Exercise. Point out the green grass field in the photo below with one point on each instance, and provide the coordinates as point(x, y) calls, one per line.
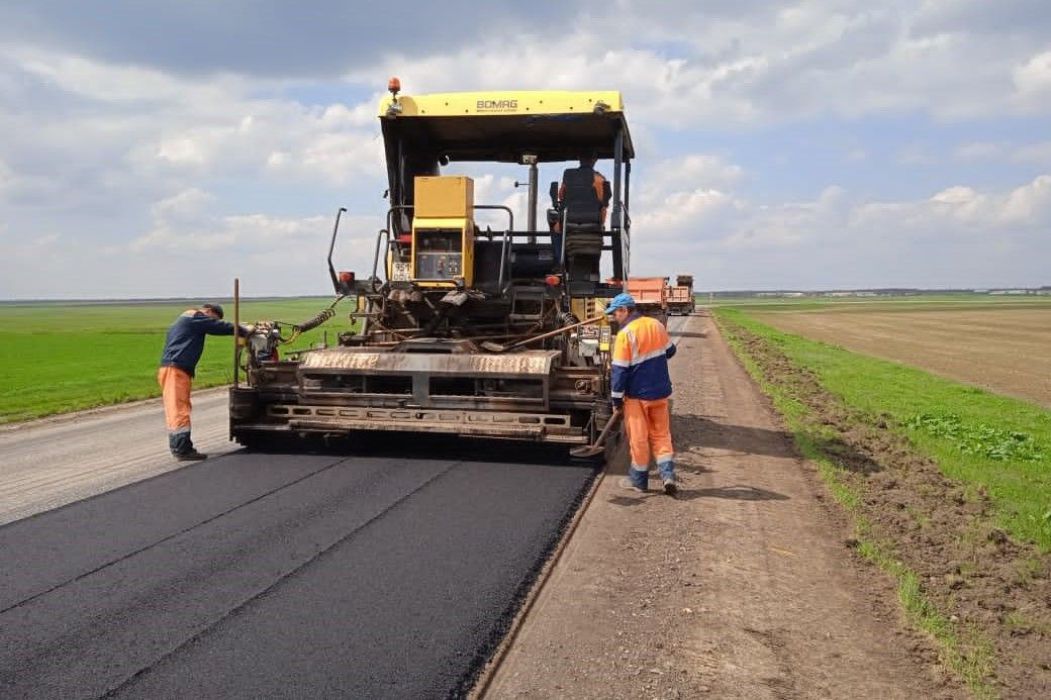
point(59, 357)
point(978, 438)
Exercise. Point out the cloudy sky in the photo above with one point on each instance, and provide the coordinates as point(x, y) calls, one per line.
point(161, 148)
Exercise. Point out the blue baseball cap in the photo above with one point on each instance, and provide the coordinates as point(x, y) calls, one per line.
point(621, 301)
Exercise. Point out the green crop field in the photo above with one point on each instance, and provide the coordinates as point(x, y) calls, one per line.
point(58, 357)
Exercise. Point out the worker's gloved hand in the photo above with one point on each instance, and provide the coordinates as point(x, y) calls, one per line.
point(248, 328)
point(617, 404)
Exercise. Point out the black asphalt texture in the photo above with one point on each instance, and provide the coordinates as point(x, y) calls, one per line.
point(279, 576)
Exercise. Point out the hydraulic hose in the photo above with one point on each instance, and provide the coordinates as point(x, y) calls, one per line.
point(319, 318)
point(314, 321)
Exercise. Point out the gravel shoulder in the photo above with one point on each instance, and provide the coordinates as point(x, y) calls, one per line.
point(48, 463)
point(743, 587)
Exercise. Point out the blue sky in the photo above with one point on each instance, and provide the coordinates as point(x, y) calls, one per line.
point(159, 149)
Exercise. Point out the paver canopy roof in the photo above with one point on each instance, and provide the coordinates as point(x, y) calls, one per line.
point(555, 126)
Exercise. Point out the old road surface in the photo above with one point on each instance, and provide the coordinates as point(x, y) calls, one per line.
point(48, 463)
point(316, 575)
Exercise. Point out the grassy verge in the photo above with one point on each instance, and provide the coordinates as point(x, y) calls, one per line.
point(989, 442)
point(65, 357)
point(966, 650)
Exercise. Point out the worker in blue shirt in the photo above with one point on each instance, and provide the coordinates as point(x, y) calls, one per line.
point(182, 350)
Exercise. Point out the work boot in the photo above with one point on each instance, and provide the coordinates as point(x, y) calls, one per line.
point(626, 483)
point(179, 441)
point(667, 472)
point(638, 478)
point(189, 456)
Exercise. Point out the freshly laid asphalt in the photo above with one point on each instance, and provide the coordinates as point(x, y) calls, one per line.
point(280, 576)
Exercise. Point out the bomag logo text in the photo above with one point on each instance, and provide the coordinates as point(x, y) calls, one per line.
point(496, 105)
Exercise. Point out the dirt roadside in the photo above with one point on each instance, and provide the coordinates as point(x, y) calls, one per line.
point(743, 587)
point(987, 596)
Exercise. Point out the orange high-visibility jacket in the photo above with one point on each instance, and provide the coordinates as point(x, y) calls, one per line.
point(640, 360)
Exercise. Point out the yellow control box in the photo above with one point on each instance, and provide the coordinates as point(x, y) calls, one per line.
point(444, 197)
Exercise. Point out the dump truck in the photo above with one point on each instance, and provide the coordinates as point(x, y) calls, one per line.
point(650, 296)
point(489, 332)
point(680, 296)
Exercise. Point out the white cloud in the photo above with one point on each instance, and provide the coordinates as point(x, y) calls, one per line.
point(676, 212)
point(960, 210)
point(688, 192)
point(201, 249)
point(1033, 78)
point(182, 150)
point(173, 180)
point(335, 157)
point(499, 189)
point(115, 83)
point(188, 222)
point(697, 170)
point(957, 195)
point(1029, 205)
point(763, 65)
point(186, 205)
point(671, 90)
point(158, 124)
point(279, 139)
point(959, 236)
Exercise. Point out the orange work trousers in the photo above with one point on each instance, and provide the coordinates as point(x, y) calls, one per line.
point(175, 387)
point(648, 424)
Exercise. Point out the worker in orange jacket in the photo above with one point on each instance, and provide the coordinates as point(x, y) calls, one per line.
point(640, 388)
point(183, 347)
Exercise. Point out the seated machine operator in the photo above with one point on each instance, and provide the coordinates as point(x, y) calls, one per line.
point(586, 190)
point(584, 196)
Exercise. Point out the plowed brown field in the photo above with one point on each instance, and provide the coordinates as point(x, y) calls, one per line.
point(1006, 350)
